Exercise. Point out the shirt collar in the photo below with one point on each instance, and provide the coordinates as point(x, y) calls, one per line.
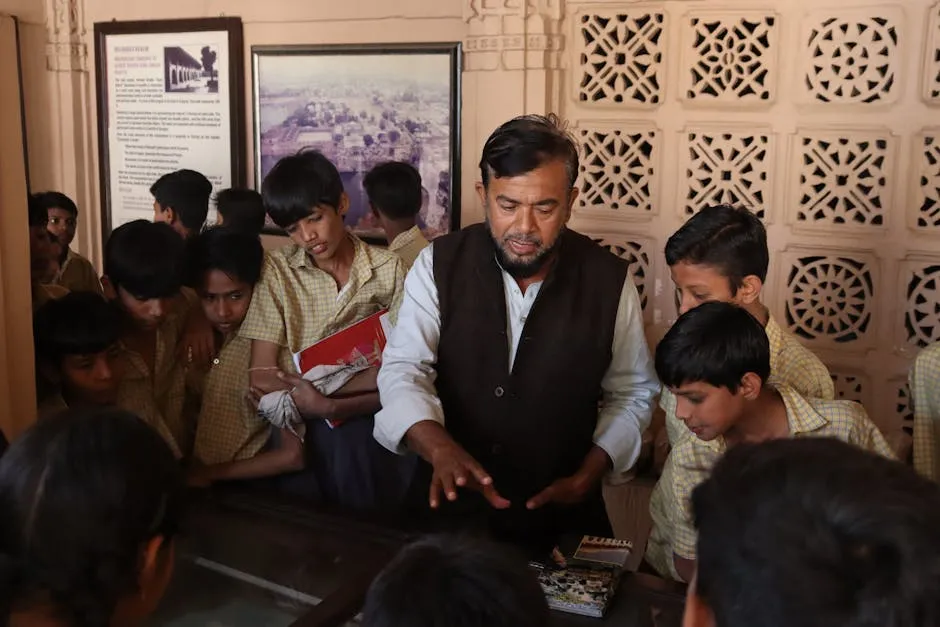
point(404, 239)
point(802, 417)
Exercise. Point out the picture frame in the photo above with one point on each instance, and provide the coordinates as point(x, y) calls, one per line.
point(362, 105)
point(170, 96)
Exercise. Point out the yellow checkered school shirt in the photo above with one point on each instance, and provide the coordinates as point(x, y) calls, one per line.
point(924, 381)
point(692, 459)
point(295, 304)
point(791, 364)
point(78, 275)
point(408, 245)
point(227, 429)
point(159, 397)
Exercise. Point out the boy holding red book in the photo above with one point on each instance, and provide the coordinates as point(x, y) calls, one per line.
point(323, 282)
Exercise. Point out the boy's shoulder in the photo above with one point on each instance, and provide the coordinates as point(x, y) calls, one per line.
point(841, 419)
point(376, 257)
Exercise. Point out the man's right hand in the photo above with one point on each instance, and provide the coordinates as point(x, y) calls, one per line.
point(453, 466)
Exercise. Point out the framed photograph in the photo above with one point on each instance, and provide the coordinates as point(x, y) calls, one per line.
point(361, 106)
point(170, 97)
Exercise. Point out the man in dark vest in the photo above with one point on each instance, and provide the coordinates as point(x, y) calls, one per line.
point(510, 334)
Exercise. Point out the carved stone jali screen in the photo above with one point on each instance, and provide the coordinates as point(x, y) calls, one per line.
point(822, 117)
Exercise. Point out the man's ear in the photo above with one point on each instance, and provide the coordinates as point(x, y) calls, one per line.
point(110, 292)
point(697, 611)
point(572, 198)
point(481, 192)
point(749, 291)
point(751, 385)
point(343, 204)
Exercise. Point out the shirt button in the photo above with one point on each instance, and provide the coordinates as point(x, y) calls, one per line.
point(522, 318)
point(499, 391)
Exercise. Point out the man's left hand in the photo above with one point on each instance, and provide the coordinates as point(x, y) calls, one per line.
point(567, 491)
point(309, 400)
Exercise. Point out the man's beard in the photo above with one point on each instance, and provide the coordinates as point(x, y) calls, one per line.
point(519, 268)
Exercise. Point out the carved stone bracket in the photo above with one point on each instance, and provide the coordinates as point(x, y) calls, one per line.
point(513, 34)
point(66, 50)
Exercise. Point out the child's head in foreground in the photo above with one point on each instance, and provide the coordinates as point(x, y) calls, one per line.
point(816, 533)
point(451, 581)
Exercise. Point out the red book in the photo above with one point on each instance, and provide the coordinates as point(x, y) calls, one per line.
point(364, 338)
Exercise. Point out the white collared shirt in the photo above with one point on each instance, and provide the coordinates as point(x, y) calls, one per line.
point(406, 379)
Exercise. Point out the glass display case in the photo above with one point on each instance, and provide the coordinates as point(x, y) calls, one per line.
point(244, 560)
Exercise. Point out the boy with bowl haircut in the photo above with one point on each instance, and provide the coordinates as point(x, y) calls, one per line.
point(720, 254)
point(324, 281)
point(144, 267)
point(715, 360)
point(230, 437)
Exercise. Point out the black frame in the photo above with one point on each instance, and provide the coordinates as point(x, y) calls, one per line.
point(236, 78)
point(452, 49)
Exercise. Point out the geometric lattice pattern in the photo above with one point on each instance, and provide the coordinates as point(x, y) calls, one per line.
point(729, 59)
point(636, 251)
point(928, 161)
point(618, 169)
point(829, 298)
point(903, 407)
point(843, 178)
point(851, 385)
point(922, 309)
point(621, 58)
point(931, 78)
point(728, 168)
point(853, 59)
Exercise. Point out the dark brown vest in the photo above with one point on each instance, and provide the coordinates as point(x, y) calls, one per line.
point(535, 424)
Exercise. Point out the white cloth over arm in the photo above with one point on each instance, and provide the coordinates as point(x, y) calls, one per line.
point(406, 379)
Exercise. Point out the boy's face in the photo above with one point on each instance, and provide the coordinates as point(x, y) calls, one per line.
point(708, 411)
point(321, 233)
point(697, 284)
point(94, 378)
point(62, 225)
point(147, 313)
point(225, 300)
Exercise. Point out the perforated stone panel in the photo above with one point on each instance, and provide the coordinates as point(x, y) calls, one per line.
point(619, 166)
point(638, 252)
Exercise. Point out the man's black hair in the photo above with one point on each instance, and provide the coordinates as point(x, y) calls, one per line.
point(449, 581)
point(299, 183)
point(241, 209)
point(526, 143)
point(732, 240)
point(817, 533)
point(714, 343)
point(237, 253)
point(187, 192)
point(146, 259)
point(394, 189)
point(56, 200)
point(79, 323)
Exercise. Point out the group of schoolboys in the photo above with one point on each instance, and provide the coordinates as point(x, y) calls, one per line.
point(189, 325)
point(730, 374)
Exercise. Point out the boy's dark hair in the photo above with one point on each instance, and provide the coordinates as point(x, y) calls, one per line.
point(447, 581)
point(238, 254)
point(79, 323)
point(817, 533)
point(394, 189)
point(147, 259)
point(56, 200)
point(526, 142)
point(299, 183)
point(80, 494)
point(732, 240)
point(715, 343)
point(38, 215)
point(241, 209)
point(187, 192)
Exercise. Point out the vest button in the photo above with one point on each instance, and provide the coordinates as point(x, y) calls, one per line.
point(499, 391)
